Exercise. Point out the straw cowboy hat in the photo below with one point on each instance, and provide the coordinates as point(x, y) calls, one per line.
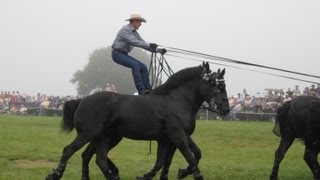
point(136, 17)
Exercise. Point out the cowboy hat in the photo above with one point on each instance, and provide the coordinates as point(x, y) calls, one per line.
point(136, 17)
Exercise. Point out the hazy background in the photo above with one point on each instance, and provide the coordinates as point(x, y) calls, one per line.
point(44, 42)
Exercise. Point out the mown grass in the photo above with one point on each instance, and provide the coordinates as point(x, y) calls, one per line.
point(31, 147)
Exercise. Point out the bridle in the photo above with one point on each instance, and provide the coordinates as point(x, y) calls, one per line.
point(213, 92)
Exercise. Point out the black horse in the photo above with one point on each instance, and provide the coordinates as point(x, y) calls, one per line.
point(299, 118)
point(162, 158)
point(168, 117)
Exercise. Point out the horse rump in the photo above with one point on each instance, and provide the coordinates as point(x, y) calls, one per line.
point(69, 109)
point(281, 117)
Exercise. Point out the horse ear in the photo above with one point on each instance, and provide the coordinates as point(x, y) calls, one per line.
point(223, 72)
point(207, 66)
point(203, 64)
point(218, 71)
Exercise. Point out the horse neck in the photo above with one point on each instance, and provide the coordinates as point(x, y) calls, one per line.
point(187, 97)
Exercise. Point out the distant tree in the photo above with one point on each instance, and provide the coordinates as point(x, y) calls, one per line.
point(101, 70)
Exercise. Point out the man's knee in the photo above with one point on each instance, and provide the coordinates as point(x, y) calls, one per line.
point(143, 68)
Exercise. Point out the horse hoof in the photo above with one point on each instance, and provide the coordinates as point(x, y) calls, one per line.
point(117, 177)
point(272, 177)
point(51, 177)
point(85, 178)
point(143, 178)
point(182, 173)
point(164, 178)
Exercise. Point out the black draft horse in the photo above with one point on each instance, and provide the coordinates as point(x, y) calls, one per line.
point(164, 161)
point(167, 117)
point(299, 118)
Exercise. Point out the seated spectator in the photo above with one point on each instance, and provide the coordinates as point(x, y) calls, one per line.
point(312, 91)
point(306, 91)
point(108, 88)
point(233, 101)
point(43, 107)
point(296, 91)
point(289, 92)
point(286, 98)
point(236, 109)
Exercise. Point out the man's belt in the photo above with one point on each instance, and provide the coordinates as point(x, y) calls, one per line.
point(118, 50)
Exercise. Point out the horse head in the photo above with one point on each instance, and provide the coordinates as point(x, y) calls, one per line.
point(214, 89)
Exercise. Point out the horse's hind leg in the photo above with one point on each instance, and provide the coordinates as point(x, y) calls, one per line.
point(102, 148)
point(279, 155)
point(161, 154)
point(310, 156)
point(90, 151)
point(167, 163)
point(68, 151)
point(86, 157)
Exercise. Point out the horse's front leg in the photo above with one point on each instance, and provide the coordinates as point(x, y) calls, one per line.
point(179, 138)
point(182, 173)
point(161, 154)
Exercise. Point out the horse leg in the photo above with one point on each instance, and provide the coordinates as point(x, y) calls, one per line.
point(165, 169)
point(279, 155)
point(86, 157)
point(161, 154)
point(113, 142)
point(102, 147)
point(182, 173)
point(310, 157)
point(89, 152)
point(68, 151)
point(178, 136)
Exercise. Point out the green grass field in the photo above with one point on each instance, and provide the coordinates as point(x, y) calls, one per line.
point(31, 147)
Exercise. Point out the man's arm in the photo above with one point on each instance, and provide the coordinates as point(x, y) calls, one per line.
point(134, 41)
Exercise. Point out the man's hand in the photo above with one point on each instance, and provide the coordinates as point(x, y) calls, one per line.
point(162, 51)
point(153, 46)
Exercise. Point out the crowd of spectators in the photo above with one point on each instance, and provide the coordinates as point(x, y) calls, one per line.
point(19, 104)
point(269, 101)
point(16, 103)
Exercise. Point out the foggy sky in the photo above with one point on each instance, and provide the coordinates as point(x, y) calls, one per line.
point(43, 43)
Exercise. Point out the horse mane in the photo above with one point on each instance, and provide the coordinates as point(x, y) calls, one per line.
point(177, 79)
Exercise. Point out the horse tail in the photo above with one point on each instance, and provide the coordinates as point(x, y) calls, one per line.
point(281, 118)
point(69, 109)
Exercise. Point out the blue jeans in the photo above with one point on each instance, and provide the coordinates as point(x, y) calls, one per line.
point(139, 70)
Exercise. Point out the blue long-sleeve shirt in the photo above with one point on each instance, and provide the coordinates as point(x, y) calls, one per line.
point(127, 38)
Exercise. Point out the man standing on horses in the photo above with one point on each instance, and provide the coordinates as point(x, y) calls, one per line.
point(126, 39)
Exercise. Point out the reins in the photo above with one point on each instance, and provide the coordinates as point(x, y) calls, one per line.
point(197, 56)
